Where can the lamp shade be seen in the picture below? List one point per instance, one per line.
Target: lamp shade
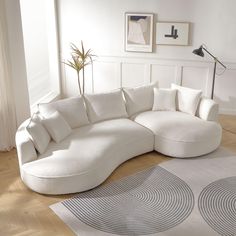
(199, 51)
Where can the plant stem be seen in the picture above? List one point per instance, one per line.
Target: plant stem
(83, 79)
(79, 83)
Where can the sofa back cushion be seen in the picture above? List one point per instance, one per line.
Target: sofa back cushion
(139, 99)
(104, 106)
(164, 100)
(187, 99)
(72, 109)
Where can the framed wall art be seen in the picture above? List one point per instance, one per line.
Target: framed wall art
(172, 33)
(138, 32)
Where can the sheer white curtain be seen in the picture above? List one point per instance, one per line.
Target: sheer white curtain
(7, 108)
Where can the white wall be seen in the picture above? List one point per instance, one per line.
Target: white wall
(100, 24)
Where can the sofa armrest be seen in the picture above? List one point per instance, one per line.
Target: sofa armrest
(25, 147)
(208, 109)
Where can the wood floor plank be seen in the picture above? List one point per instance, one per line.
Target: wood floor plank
(24, 212)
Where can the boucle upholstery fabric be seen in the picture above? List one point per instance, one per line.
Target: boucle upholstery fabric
(179, 134)
(87, 157)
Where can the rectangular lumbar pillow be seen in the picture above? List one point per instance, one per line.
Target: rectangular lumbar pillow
(38, 134)
(72, 109)
(139, 99)
(187, 99)
(104, 106)
(164, 100)
(57, 126)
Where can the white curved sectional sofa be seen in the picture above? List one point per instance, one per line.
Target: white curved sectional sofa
(74, 144)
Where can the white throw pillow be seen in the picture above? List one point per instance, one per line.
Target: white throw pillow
(38, 134)
(139, 99)
(164, 100)
(72, 109)
(57, 126)
(187, 99)
(105, 106)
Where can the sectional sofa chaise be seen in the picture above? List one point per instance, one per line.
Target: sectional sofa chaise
(74, 144)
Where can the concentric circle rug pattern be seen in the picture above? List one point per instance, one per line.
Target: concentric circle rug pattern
(217, 205)
(148, 202)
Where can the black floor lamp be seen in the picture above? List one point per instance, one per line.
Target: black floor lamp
(199, 52)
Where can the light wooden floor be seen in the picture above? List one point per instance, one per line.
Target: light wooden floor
(23, 212)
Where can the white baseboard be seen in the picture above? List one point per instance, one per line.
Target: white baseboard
(227, 111)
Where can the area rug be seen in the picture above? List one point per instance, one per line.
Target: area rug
(180, 197)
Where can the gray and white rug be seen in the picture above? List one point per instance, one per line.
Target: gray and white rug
(180, 197)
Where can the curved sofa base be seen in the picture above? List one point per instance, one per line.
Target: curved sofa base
(185, 149)
(181, 135)
(83, 181)
(86, 157)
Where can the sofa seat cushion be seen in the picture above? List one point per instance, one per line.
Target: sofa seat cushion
(179, 134)
(87, 157)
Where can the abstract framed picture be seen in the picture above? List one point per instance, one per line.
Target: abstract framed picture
(138, 32)
(172, 33)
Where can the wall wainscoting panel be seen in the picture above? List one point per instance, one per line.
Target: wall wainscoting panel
(195, 77)
(225, 90)
(164, 74)
(106, 76)
(111, 72)
(134, 74)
